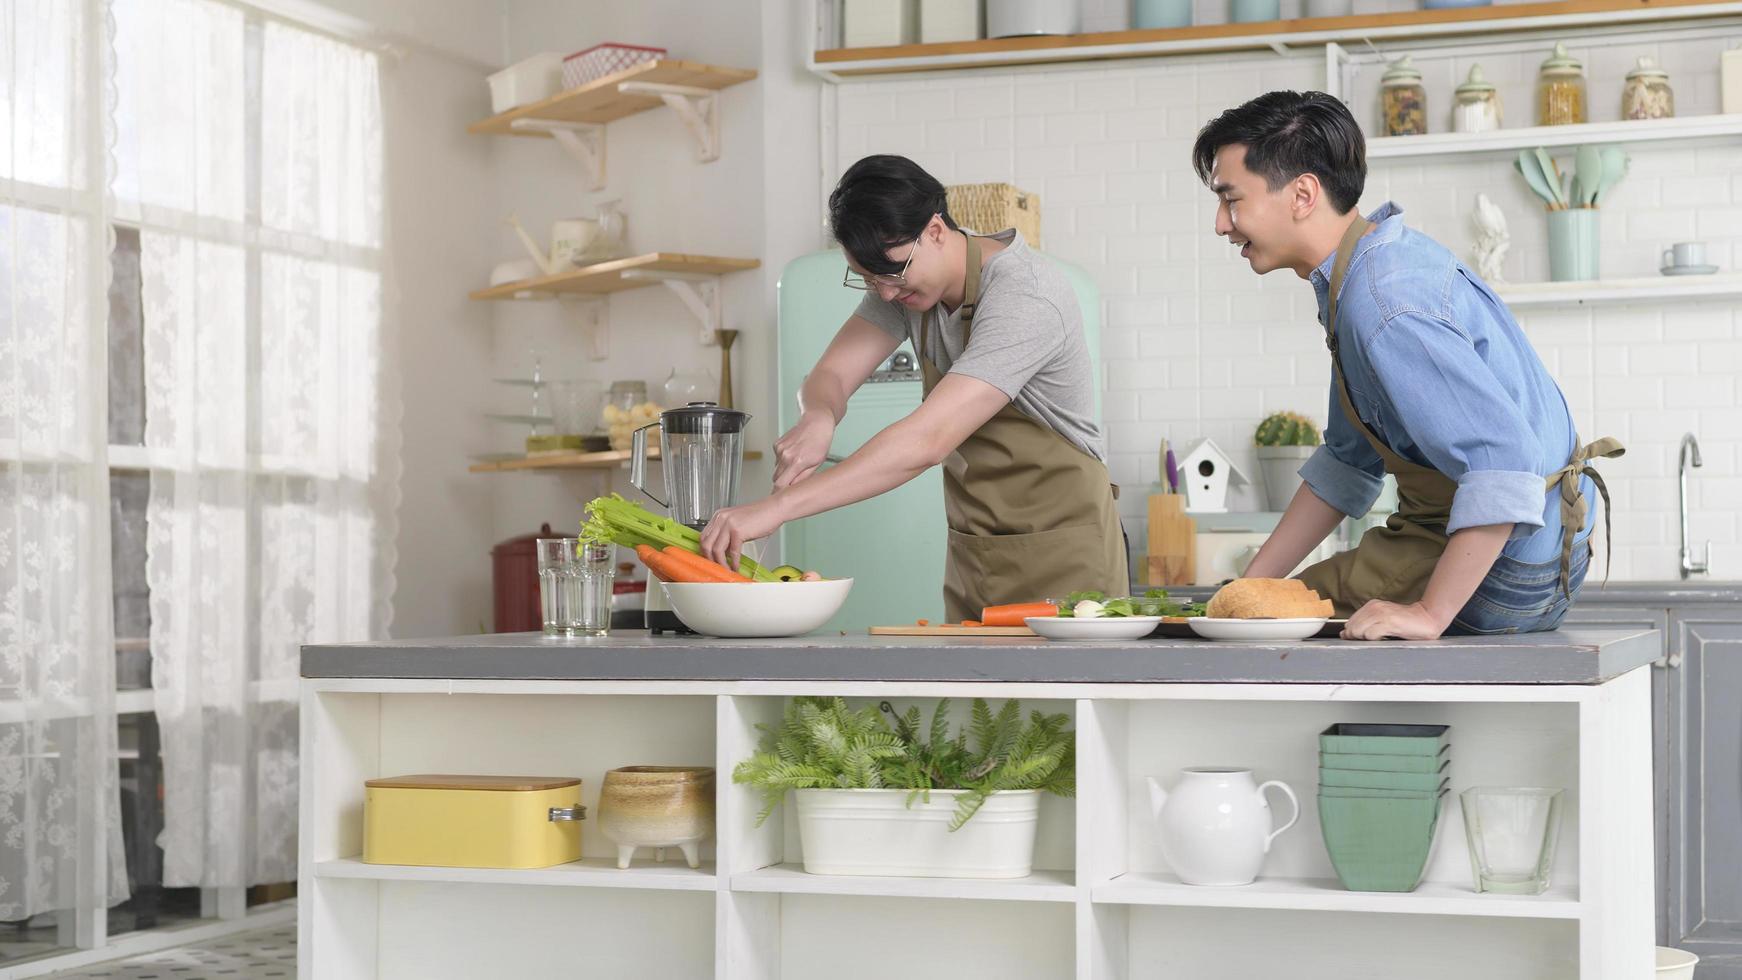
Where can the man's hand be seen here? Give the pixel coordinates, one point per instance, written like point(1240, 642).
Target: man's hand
point(1381, 620)
point(723, 539)
point(803, 448)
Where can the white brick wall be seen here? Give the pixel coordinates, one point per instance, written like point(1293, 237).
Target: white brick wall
point(1193, 344)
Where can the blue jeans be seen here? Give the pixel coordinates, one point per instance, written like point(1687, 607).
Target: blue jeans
point(1521, 597)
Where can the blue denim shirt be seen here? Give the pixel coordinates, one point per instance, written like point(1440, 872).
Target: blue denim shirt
point(1439, 370)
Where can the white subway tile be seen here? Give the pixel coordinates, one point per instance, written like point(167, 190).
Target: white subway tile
point(1709, 390)
point(1658, 359)
point(1107, 157)
point(1169, 405)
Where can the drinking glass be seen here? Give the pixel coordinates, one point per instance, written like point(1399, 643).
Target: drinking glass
point(1512, 832)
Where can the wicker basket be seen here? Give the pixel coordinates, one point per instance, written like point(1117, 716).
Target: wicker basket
point(987, 208)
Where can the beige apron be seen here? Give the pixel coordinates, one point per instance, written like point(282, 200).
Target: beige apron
point(1031, 516)
point(1394, 562)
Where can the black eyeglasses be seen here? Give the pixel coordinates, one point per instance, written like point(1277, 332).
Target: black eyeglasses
point(851, 280)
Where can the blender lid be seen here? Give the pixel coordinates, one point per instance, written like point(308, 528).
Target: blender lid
point(703, 418)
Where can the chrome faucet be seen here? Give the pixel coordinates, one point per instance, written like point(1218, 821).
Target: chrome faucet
point(1690, 453)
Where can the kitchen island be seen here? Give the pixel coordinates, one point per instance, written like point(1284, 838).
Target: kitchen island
point(1569, 709)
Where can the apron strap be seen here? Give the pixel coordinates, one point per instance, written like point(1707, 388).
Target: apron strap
point(1574, 507)
point(1346, 252)
point(970, 298)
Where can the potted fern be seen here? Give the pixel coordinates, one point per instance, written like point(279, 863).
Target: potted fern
point(1284, 442)
point(882, 798)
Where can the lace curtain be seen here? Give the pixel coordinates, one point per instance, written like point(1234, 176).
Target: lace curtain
point(59, 798)
point(252, 153)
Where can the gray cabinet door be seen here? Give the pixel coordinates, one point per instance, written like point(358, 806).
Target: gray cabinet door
point(1663, 767)
point(1705, 839)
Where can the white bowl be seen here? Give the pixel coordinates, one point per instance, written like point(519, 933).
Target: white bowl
point(739, 609)
point(1675, 964)
point(1095, 628)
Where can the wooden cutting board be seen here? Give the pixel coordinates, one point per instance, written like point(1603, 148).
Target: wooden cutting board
point(946, 629)
point(1173, 541)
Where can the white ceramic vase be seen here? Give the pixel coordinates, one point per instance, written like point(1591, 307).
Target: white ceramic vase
point(1215, 826)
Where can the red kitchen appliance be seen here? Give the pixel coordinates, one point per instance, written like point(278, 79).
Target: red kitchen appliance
point(514, 582)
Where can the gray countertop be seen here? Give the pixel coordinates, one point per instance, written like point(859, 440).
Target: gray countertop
point(1574, 656)
point(1670, 592)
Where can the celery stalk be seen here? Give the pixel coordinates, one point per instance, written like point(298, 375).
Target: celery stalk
point(619, 521)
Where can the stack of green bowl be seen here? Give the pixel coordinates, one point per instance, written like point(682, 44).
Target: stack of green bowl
point(1380, 792)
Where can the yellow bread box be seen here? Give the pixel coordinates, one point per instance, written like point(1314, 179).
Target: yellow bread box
point(473, 821)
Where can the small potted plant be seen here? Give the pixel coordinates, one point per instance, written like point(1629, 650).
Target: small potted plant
point(1284, 441)
point(876, 798)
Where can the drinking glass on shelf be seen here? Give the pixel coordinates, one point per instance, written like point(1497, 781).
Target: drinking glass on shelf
point(574, 586)
point(1512, 832)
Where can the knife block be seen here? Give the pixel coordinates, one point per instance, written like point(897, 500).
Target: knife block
point(1173, 541)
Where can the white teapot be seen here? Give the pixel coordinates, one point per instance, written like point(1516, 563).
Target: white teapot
point(1215, 826)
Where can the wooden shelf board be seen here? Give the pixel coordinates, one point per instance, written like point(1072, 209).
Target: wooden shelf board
point(607, 277)
point(1232, 37)
point(791, 879)
point(1328, 895)
point(610, 459)
point(599, 101)
point(644, 873)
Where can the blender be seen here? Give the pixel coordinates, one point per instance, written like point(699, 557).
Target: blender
point(702, 449)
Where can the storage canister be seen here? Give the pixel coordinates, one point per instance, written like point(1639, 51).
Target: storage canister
point(1560, 89)
point(1477, 109)
point(1646, 94)
point(472, 821)
point(1403, 99)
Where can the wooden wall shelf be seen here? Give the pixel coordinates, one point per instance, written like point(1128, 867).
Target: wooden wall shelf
point(609, 277)
point(599, 101)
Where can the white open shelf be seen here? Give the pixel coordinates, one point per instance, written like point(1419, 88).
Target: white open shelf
point(585, 873)
point(1688, 129)
point(1643, 289)
point(1328, 895)
point(791, 879)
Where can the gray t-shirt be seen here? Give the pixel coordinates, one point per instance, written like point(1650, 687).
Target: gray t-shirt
point(1027, 341)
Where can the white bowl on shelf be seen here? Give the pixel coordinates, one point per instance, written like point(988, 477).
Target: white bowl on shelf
point(756, 609)
point(1675, 964)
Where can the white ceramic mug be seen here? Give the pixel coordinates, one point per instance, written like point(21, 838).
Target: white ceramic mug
point(1684, 254)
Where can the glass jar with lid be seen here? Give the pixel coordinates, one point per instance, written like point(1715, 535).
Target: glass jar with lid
point(1646, 93)
point(1560, 89)
point(1477, 109)
point(1403, 99)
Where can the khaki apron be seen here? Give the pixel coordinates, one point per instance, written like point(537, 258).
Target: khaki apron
point(1396, 561)
point(1031, 516)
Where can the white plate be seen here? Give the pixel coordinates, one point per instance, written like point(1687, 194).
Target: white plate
point(1098, 628)
point(1688, 270)
point(1257, 629)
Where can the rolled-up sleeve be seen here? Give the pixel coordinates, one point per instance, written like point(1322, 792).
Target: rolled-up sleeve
point(1345, 472)
point(1462, 420)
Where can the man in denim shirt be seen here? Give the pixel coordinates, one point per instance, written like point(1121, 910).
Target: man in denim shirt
point(1449, 394)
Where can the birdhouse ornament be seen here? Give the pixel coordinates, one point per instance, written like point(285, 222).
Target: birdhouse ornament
point(1206, 474)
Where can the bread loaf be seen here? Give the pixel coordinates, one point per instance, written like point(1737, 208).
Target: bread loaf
point(1267, 598)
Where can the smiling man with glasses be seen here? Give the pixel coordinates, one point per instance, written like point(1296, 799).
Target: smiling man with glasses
point(1008, 409)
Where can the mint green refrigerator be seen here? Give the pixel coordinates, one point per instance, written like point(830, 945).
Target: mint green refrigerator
point(891, 545)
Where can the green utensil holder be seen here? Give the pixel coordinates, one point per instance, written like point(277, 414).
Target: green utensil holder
point(1379, 845)
point(1364, 779)
point(1150, 14)
point(1361, 792)
point(1382, 763)
point(1380, 739)
point(1254, 11)
point(1573, 244)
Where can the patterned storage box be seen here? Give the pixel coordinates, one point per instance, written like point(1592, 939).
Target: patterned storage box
point(605, 59)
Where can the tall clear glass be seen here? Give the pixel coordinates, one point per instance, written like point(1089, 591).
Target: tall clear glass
point(574, 586)
point(1512, 832)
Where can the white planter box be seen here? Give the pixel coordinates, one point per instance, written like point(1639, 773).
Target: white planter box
point(874, 832)
point(526, 81)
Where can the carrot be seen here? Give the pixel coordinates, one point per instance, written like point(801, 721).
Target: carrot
point(1014, 615)
point(972, 623)
point(922, 622)
point(659, 565)
point(703, 569)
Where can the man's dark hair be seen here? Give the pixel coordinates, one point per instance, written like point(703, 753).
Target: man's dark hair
point(883, 201)
point(1287, 134)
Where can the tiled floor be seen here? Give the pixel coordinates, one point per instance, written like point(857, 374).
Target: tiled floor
point(260, 955)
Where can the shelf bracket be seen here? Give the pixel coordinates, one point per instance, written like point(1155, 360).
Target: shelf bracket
point(591, 312)
point(698, 291)
point(699, 108)
point(583, 141)
point(1280, 48)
